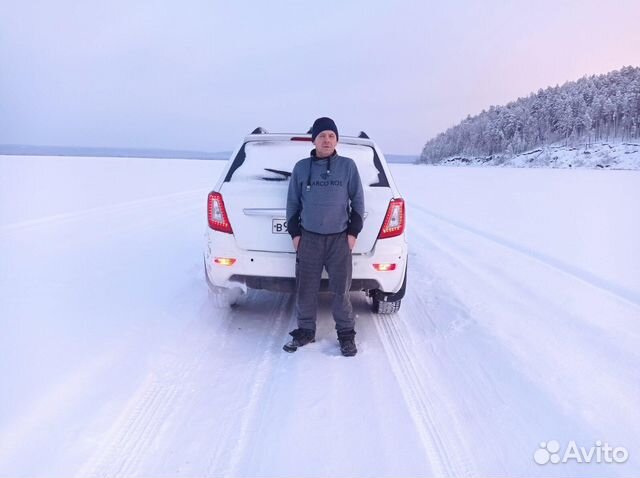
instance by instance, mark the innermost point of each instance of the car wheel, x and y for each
(381, 307)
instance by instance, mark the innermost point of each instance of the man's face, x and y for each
(325, 143)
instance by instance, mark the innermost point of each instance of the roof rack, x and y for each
(261, 130)
(362, 134)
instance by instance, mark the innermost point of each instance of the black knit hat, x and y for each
(323, 124)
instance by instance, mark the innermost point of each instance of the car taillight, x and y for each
(394, 221)
(217, 214)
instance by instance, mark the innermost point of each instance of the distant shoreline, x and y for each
(26, 150)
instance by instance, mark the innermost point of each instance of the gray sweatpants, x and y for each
(316, 251)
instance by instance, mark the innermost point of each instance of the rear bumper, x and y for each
(276, 270)
(287, 284)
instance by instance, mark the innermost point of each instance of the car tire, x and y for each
(385, 308)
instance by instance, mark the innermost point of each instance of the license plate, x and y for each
(279, 226)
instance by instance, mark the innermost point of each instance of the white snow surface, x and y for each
(521, 325)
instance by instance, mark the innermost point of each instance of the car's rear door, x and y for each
(255, 192)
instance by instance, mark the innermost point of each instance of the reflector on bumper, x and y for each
(224, 261)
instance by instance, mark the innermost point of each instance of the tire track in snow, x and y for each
(238, 428)
(549, 319)
(518, 288)
(628, 296)
(442, 333)
(142, 417)
(165, 397)
(445, 456)
(140, 424)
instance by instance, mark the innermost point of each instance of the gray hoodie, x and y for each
(325, 196)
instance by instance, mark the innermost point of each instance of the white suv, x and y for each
(247, 243)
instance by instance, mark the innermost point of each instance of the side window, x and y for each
(237, 162)
(383, 182)
(369, 164)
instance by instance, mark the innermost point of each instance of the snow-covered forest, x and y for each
(594, 108)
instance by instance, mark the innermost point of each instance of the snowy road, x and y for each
(116, 362)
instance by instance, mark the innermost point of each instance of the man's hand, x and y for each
(352, 241)
(296, 241)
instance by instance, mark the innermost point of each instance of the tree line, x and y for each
(594, 108)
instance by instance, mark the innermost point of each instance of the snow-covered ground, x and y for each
(521, 325)
(601, 155)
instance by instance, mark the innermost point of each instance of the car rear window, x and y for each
(273, 161)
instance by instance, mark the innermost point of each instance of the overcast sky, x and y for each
(200, 74)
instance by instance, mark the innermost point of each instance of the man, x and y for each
(325, 207)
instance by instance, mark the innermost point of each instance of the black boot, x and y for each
(347, 342)
(301, 337)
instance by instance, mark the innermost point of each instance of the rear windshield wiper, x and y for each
(286, 175)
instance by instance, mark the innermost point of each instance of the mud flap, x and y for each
(391, 296)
